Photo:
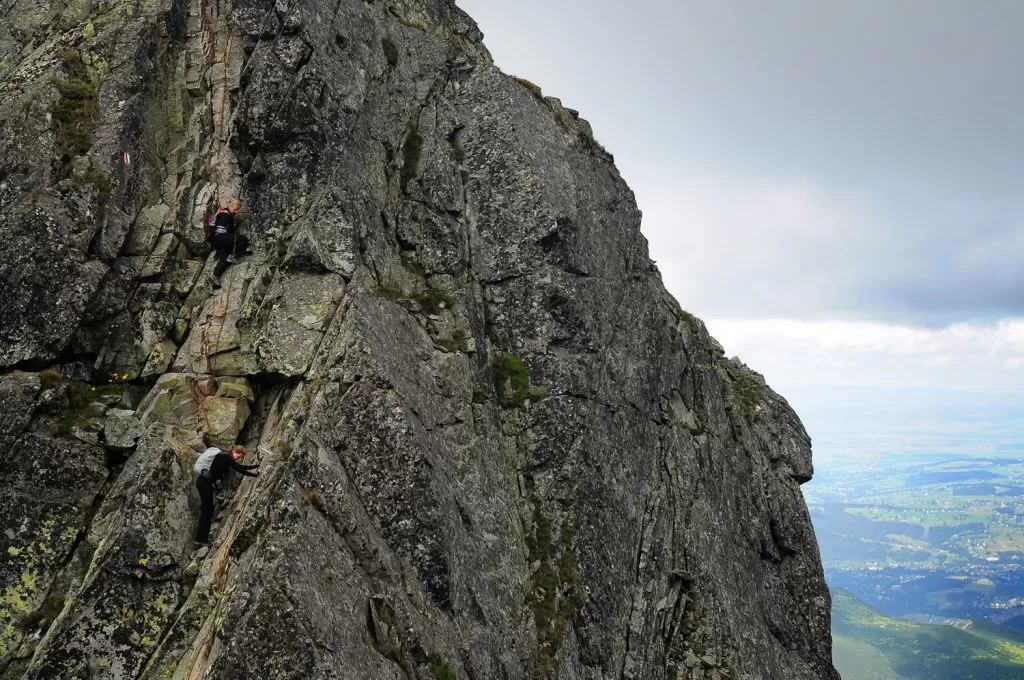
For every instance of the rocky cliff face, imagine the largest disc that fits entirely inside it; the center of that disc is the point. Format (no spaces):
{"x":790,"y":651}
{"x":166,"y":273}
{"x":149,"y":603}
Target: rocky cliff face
{"x":491,"y":444}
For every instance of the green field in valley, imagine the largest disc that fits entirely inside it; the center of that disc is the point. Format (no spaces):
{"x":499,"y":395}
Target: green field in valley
{"x":868,"y":645}
{"x":919,"y":511}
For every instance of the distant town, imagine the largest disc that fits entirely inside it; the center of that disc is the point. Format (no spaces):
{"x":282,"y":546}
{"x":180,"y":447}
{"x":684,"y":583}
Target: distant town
{"x":927,"y":538}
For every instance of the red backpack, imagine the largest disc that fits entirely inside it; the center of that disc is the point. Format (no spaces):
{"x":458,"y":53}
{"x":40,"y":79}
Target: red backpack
{"x":210,"y":228}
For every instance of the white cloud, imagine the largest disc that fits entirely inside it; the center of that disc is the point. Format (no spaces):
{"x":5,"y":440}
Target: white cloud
{"x":796,"y":354}
{"x":762,"y":247}
{"x":865,"y":388}
{"x":740,"y":246}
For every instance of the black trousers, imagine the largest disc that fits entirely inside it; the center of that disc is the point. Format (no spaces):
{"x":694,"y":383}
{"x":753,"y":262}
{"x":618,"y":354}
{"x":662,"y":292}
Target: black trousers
{"x":205,"y":487}
{"x":226,"y":244}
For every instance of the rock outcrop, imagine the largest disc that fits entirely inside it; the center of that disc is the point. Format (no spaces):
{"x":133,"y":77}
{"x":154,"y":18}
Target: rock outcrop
{"x":491,"y":445}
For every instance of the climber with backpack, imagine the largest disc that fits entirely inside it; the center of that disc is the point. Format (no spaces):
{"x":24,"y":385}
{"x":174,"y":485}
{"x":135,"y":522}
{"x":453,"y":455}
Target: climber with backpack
{"x":211,"y":466}
{"x":222,"y":234}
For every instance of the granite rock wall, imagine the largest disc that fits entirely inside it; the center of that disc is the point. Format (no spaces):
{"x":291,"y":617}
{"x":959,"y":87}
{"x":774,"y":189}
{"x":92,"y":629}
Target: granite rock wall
{"x":491,"y":445}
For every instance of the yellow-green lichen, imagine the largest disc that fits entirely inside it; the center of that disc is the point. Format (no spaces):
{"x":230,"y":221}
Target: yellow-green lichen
{"x":74,"y":12}
{"x":151,"y":619}
{"x":420,"y":23}
{"x":18,"y":602}
{"x":186,"y":628}
{"x":24,"y":601}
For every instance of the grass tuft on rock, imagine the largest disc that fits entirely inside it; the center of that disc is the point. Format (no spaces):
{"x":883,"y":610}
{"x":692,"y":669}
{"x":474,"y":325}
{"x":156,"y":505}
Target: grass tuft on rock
{"x":588,"y":142}
{"x":458,"y":342}
{"x":75,"y":112}
{"x":512,"y":382}
{"x":533,"y":87}
{"x":748,"y":387}
{"x":441,"y":669}
{"x":78,"y":396}
{"x":552,"y":587}
{"x":50,"y":378}
{"x":314,"y":498}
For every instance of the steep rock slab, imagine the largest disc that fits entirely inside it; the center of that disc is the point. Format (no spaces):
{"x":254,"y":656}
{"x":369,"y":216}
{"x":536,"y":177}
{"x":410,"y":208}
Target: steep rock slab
{"x":491,"y":444}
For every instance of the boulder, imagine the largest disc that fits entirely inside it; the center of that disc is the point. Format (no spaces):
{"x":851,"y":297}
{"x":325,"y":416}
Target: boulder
{"x":224,"y":418}
{"x":121,"y":430}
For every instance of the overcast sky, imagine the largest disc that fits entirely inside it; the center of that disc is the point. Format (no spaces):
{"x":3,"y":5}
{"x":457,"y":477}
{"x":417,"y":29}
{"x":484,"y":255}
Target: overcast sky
{"x":834,"y":186}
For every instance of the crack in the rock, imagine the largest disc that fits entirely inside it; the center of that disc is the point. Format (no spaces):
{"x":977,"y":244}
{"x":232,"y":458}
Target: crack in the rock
{"x":648,"y":523}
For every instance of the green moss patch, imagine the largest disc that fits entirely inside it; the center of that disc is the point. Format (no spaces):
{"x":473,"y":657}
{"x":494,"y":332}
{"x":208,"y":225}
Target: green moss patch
{"x":440,"y":667}
{"x":79,"y":395}
{"x":512,"y":382}
{"x":749,"y":388}
{"x":75,"y":112}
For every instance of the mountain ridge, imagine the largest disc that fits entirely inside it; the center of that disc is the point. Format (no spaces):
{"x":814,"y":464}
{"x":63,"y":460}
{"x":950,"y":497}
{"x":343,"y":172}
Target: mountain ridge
{"x":491,"y":444}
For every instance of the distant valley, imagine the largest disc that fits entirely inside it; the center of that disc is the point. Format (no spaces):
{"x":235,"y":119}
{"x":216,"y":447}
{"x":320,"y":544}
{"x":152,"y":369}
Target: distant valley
{"x":925,"y":536}
{"x":867,"y":645}
{"x":923,"y":539}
